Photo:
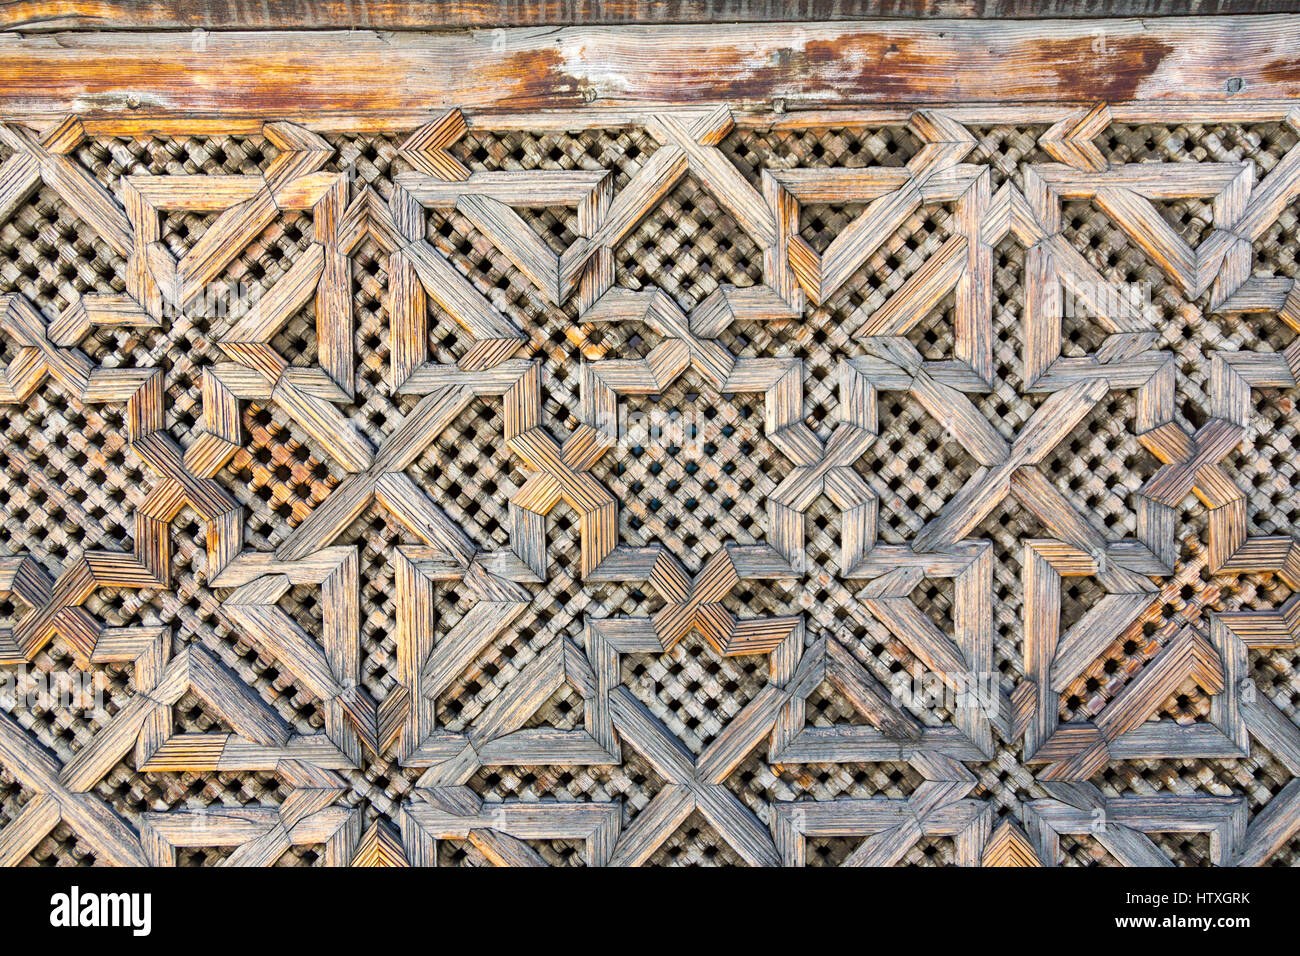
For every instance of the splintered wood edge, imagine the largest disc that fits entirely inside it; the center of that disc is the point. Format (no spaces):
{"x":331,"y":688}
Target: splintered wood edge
{"x":1225,"y":68}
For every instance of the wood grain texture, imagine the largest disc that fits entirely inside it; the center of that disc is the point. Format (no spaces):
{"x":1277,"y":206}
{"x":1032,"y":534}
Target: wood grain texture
{"x":44,"y":15}
{"x":132,"y":76}
{"x":452,"y":601}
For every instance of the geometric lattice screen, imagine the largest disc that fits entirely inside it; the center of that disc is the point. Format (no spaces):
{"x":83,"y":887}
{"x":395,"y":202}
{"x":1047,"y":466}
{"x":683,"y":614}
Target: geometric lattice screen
{"x":686,"y":490}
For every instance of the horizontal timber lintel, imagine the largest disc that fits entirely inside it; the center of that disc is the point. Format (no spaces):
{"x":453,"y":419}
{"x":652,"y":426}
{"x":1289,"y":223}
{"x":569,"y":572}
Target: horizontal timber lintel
{"x":1174,"y":68}
{"x":46,"y":15}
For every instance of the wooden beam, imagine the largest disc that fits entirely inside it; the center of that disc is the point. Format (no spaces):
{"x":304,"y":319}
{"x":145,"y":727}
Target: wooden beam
{"x":1228,"y":65}
{"x":44,"y":15}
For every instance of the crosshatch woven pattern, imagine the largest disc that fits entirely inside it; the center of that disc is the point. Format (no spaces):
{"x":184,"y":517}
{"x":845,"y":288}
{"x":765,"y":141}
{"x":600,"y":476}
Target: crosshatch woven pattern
{"x":471,"y":495}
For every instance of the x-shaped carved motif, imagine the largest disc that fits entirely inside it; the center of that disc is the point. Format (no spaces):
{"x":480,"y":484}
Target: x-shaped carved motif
{"x":1010,"y":469}
{"x":55,"y":605}
{"x":690,"y":343}
{"x":112,"y":838}
{"x":696,"y":604}
{"x":45,"y":159}
{"x":48,"y":349}
{"x":826,"y":467}
{"x":384,"y":479}
{"x":616,"y":715}
{"x":1192,"y":464}
{"x":184,"y":482}
{"x":1006,"y":468}
{"x":560,"y":474}
{"x":694,"y":783}
{"x":63,"y":792}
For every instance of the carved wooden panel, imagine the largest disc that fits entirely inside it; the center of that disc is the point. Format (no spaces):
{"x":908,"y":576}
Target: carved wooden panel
{"x":695,"y":483}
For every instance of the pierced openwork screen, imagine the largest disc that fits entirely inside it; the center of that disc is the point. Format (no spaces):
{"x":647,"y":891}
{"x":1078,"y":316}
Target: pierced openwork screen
{"x":705,"y":487}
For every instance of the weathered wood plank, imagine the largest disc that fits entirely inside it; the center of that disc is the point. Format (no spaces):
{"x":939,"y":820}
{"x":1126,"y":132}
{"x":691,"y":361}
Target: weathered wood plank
{"x":46,"y":15}
{"x":301,"y":76}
